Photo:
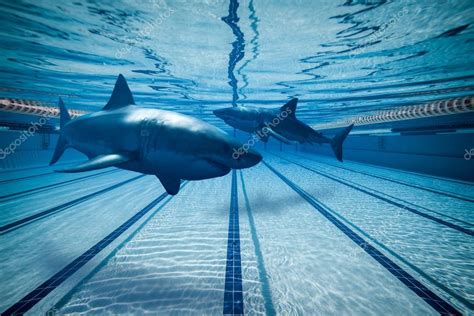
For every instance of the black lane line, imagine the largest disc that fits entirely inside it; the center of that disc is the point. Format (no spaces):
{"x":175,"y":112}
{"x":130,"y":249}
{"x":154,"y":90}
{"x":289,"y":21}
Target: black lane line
{"x":448,"y":194}
{"x":27,"y":220}
{"x":66,"y":297}
{"x":262,"y":272}
{"x":463,"y":182}
{"x":26,"y":177}
{"x":35,"y":167}
{"x":233,"y":297}
{"x":440,"y":305}
{"x":357,"y":184}
{"x":22,"y":169}
{"x":7,"y":197}
{"x":360,"y":187}
{"x":31,"y":299}
{"x":32,"y":176}
{"x":414,"y":173}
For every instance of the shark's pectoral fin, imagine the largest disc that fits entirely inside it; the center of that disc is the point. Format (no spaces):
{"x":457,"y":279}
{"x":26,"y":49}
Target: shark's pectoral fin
{"x":267,"y":130}
{"x":99,"y":162}
{"x":171,"y":183}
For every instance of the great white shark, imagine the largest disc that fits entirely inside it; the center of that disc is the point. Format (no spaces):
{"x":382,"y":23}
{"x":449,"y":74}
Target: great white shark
{"x":167,"y":144}
{"x":280,"y":123}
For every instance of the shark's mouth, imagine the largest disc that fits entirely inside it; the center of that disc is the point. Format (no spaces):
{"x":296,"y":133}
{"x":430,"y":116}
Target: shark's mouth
{"x":229,"y":119}
{"x":217,"y":165}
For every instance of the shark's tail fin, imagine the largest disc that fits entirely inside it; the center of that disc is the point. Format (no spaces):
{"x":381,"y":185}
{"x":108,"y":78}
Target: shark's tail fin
{"x":338,"y":140}
{"x":61,"y":144}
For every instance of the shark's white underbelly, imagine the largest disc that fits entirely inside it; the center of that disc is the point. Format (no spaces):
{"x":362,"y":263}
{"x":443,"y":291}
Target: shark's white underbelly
{"x":187,"y":167}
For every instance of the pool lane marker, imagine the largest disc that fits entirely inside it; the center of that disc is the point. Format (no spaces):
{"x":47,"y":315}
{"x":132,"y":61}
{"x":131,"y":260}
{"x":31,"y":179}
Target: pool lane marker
{"x":407,"y":263}
{"x":31,"y":299}
{"x":360,"y":187}
{"x":436,"y":302}
{"x":107,"y":259}
{"x":26,"y":177}
{"x":31,"y":168}
{"x":262,"y":272}
{"x":456,"y":181}
{"x":22,"y":194}
{"x":448,"y":194}
{"x":59,"y":208}
{"x":233,"y":292}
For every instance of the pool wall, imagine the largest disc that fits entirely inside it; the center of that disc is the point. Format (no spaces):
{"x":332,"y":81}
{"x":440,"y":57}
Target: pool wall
{"x":439,"y":146}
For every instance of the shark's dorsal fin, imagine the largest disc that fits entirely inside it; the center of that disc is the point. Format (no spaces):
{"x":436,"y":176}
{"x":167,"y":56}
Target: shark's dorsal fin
{"x":99,"y":162}
{"x":121,"y":96}
{"x":171,"y":183}
{"x":290,"y":107}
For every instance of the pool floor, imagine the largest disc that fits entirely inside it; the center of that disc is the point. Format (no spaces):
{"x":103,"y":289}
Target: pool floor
{"x":297,"y":234}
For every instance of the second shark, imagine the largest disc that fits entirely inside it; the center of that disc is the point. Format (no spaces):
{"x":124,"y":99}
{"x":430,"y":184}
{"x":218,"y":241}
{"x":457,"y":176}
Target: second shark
{"x":288,"y":128}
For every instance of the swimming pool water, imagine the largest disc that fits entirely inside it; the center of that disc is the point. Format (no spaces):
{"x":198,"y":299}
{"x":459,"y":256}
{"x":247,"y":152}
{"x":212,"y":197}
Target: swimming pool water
{"x":298,"y":234}
{"x":293,"y":259}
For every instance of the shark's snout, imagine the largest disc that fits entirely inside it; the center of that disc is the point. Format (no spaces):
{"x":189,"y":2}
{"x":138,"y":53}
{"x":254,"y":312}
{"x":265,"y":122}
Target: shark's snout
{"x":222,"y":113}
{"x":252,"y":158}
{"x":246,"y":159}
